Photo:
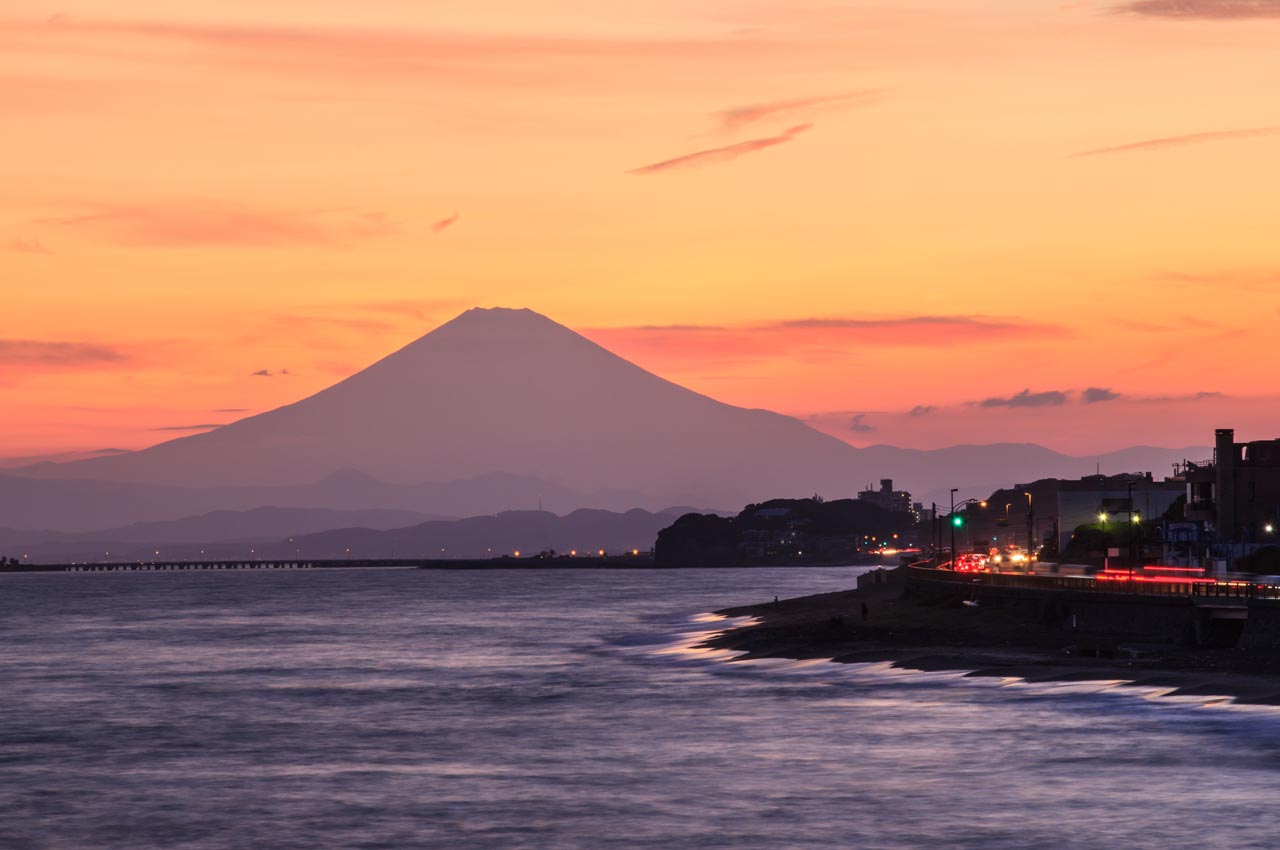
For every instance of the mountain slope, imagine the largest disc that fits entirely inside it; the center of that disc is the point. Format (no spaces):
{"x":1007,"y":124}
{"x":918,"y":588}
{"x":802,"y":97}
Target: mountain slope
{"x":504,"y":391}
{"x":494,"y":411}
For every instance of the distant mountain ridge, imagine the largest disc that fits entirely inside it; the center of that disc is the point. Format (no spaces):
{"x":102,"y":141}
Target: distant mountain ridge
{"x":504,"y":409}
{"x":391,"y":534}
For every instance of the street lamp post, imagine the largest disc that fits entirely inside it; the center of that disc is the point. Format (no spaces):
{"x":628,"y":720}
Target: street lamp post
{"x":1031,"y":525}
{"x":1133,"y":556}
{"x":954,"y":490}
{"x":936,"y":536}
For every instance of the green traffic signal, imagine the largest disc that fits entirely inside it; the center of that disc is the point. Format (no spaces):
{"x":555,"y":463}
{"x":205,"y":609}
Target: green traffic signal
{"x":957,"y":521}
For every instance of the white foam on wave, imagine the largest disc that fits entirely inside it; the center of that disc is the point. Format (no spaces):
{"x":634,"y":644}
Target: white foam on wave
{"x":689,"y":646}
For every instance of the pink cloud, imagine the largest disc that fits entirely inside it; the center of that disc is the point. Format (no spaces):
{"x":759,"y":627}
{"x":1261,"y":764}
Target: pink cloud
{"x":732,"y":120}
{"x":813,"y":340}
{"x":444,"y":224}
{"x":1179,"y":141}
{"x":28,"y":245}
{"x":722,"y":154}
{"x":46,"y":354}
{"x":365,"y":52}
{"x":208,"y":224}
{"x":1219,"y":10}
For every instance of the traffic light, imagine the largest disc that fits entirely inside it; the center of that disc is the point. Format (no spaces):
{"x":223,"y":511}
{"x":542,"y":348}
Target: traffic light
{"x":957,"y":521}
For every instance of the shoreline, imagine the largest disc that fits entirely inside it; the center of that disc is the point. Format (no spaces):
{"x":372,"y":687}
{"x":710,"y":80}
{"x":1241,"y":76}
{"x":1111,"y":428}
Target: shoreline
{"x":934,"y":638}
{"x":608,"y":562}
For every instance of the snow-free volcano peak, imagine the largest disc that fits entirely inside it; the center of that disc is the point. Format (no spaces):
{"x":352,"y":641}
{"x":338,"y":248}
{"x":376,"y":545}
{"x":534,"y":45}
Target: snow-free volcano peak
{"x":506,"y":391}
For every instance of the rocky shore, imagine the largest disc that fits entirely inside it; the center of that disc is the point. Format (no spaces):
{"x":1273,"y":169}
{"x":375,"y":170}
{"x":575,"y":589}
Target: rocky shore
{"x":949,"y":635}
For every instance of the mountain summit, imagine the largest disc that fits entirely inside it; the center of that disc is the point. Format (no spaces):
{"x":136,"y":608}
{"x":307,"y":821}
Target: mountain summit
{"x":506,"y":391}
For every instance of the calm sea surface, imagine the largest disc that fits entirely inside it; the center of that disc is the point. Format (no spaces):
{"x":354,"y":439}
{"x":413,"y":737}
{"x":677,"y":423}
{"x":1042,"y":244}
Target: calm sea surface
{"x":405,"y":709}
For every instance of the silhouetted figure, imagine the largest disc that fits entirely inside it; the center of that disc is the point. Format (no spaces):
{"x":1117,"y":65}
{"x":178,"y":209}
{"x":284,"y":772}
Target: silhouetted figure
{"x":866,"y":612}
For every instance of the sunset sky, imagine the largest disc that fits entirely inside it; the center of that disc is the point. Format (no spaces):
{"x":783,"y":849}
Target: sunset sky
{"x":917,"y":222}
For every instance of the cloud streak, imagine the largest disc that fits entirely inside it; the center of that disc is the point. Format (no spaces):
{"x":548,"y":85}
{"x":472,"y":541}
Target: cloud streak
{"x":859,"y":426}
{"x":405,"y":53}
{"x":206,"y":427}
{"x":1026,"y":398}
{"x":738,"y":117}
{"x":1096,"y":395}
{"x":56,"y":354}
{"x":444,"y":224}
{"x":721,"y":154}
{"x":218,"y":225}
{"x":811,"y":341}
{"x":1180,"y":141}
{"x":29,"y":245}
{"x":1209,"y":10}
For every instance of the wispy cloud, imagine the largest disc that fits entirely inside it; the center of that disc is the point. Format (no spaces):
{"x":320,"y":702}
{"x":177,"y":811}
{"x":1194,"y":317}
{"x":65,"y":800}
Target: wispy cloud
{"x":348,"y":323}
{"x":1026,"y":398}
{"x":1252,"y":280}
{"x":1212,"y":10}
{"x":262,"y":373}
{"x":1095,"y":395}
{"x":444,"y":224}
{"x":738,"y":117}
{"x":810,"y":341}
{"x":721,"y":154}
{"x":921,"y":323}
{"x":231,"y":409}
{"x":408,"y":53}
{"x":922,"y":410}
{"x":1180,"y":141}
{"x":28,"y":245}
{"x":1203,"y":395}
{"x":816,"y":339}
{"x":221,"y":225}
{"x":858,"y":425}
{"x":56,"y":354}
{"x":207,"y":427}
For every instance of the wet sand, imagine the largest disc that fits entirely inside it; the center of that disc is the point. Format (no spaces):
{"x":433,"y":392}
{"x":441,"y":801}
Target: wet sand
{"x":988,"y":643}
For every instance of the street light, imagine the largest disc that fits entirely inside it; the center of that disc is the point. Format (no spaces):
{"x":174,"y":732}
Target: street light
{"x":1031,"y":524}
{"x":954,"y":490}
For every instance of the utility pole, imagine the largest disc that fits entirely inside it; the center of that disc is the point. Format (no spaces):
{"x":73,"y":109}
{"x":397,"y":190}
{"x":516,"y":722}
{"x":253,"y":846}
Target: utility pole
{"x":935,"y":534}
{"x":952,"y":515}
{"x":1133,"y":552}
{"x":1031,"y":525}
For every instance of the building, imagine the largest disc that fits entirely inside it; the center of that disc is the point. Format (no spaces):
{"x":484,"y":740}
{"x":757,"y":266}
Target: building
{"x":1121,"y":498}
{"x":1237,"y":494}
{"x":888,"y":498}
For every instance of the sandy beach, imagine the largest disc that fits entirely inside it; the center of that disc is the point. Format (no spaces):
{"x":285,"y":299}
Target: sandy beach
{"x":985,"y":642}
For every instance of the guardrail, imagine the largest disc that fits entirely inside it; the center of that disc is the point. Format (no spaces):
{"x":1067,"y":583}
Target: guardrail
{"x":1138,"y":585}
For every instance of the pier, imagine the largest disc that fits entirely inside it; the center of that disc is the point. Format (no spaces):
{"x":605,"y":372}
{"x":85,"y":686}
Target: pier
{"x":235,"y":564}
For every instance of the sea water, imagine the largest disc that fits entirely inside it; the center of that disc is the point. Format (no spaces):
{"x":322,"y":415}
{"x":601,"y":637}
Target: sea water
{"x":563,"y":709}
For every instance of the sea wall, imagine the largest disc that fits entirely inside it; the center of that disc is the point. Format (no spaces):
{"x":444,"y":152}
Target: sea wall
{"x":1088,"y":613}
{"x":1262,"y":629}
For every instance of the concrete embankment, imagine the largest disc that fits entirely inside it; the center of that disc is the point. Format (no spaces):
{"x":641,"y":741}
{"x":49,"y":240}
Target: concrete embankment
{"x":916,"y":620}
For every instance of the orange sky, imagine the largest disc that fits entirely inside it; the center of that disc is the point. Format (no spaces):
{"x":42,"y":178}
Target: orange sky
{"x":920,"y":222}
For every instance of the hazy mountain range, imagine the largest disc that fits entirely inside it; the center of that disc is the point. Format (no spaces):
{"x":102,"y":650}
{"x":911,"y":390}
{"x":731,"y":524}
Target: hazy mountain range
{"x":280,"y":533}
{"x":504,"y":409}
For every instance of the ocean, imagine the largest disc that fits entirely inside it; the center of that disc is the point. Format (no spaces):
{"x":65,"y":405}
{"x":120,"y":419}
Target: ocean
{"x":563,"y":709}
